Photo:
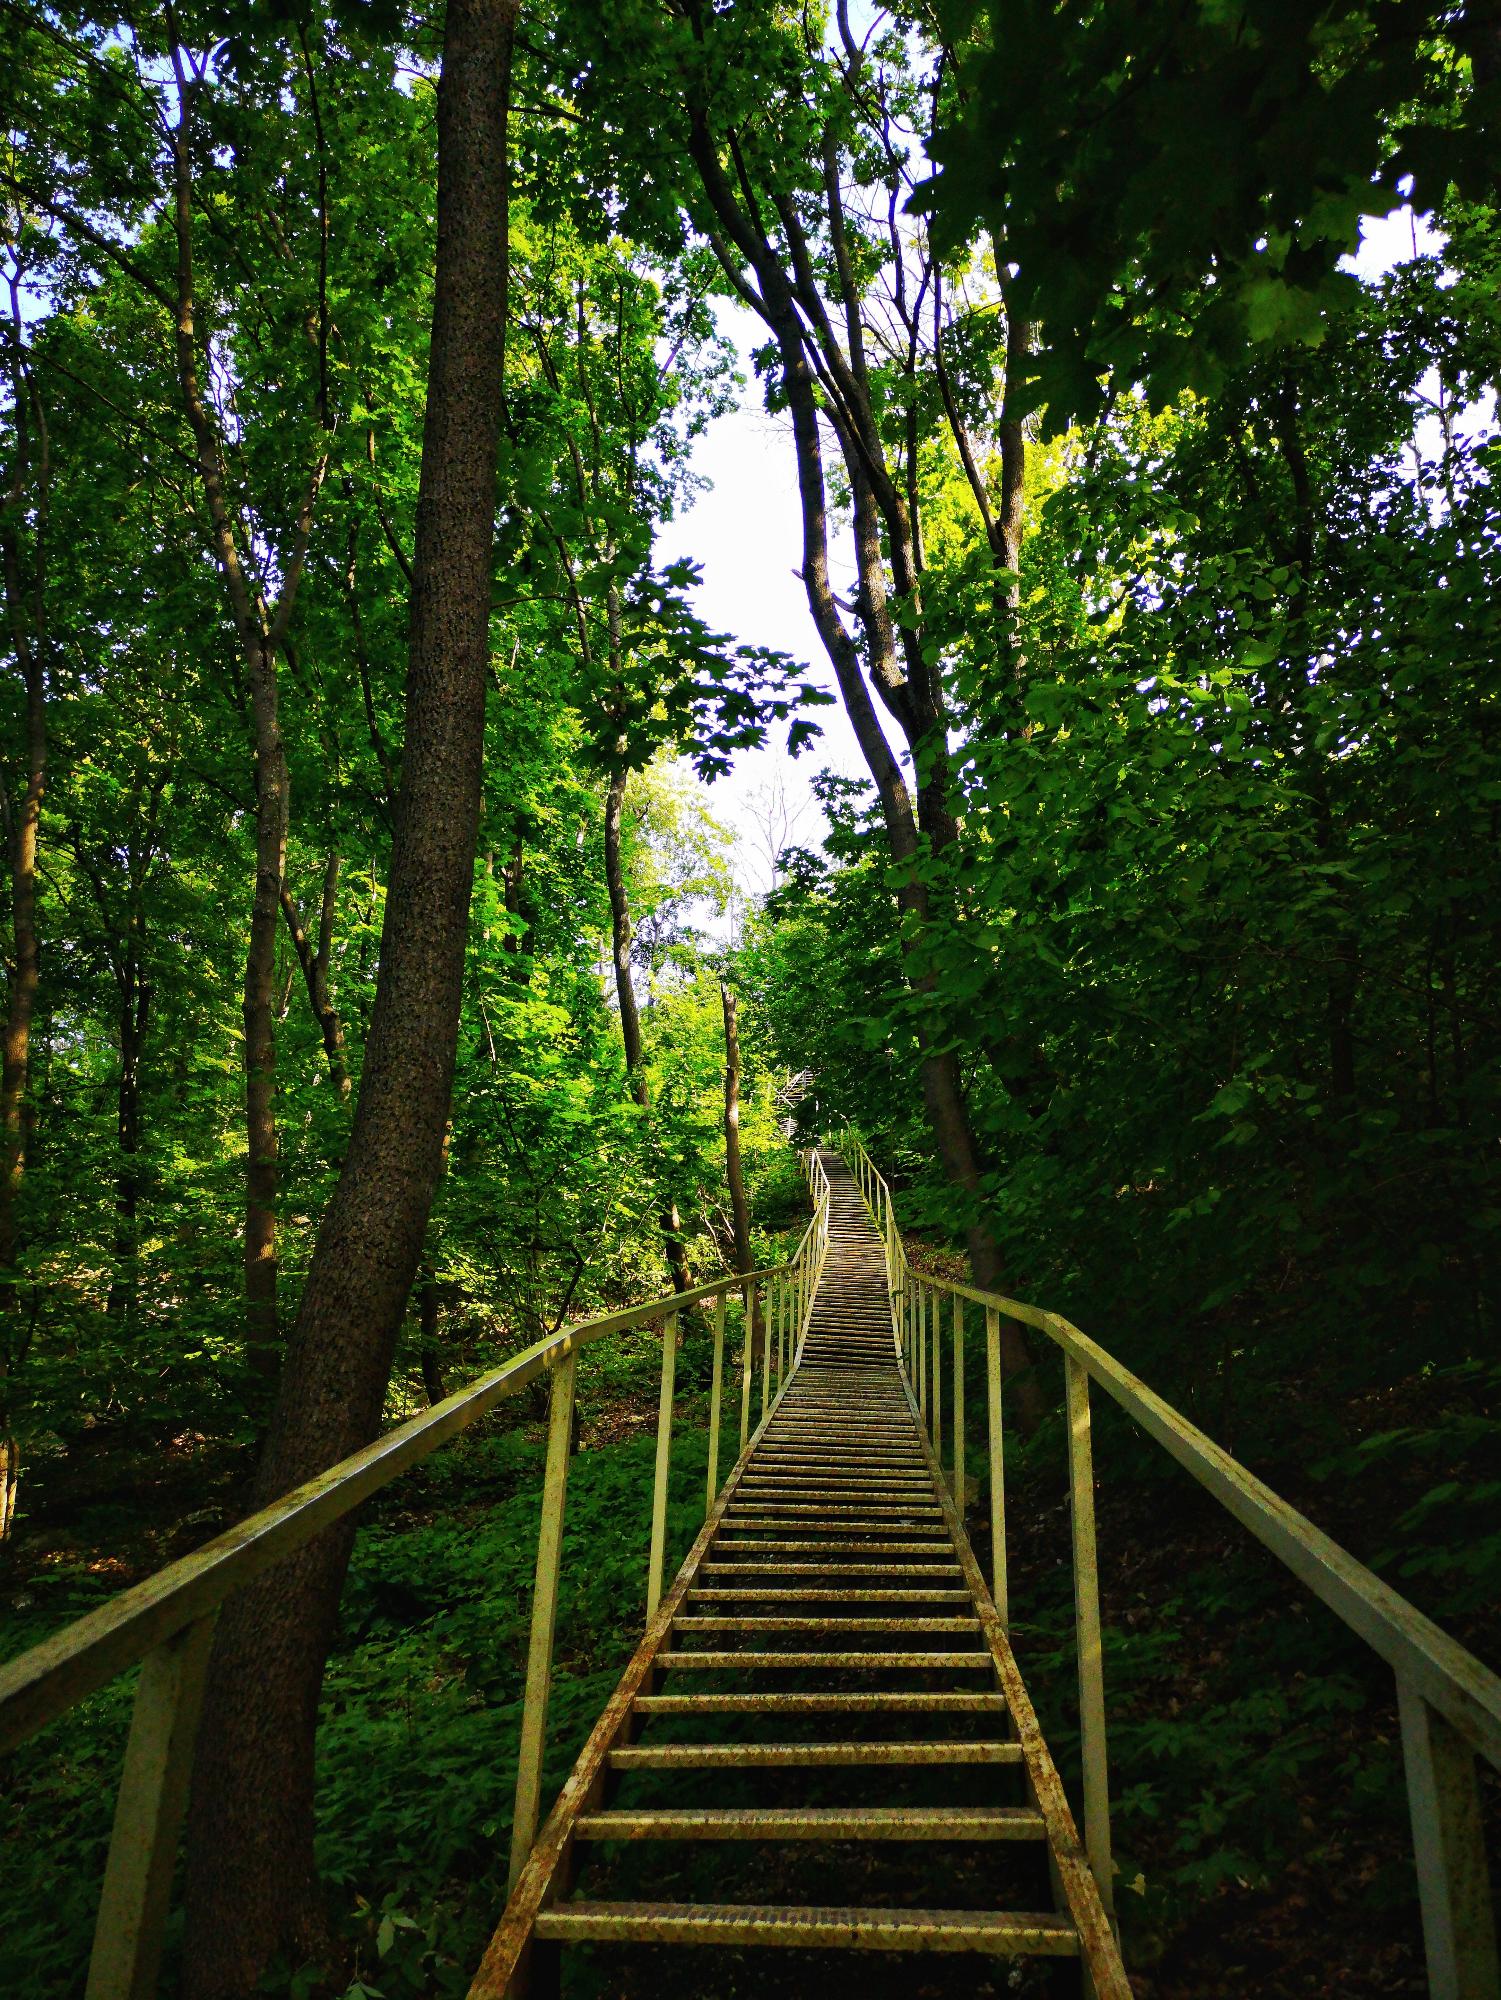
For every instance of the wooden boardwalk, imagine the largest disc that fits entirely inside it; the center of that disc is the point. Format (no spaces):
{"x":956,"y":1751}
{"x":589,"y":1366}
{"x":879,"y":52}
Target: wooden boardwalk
{"x":829,"y":1651}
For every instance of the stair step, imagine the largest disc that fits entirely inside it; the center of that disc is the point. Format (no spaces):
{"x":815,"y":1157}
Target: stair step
{"x":760,"y":1659}
{"x":784,"y":1756}
{"x":753,"y":1568}
{"x":940,"y":1545}
{"x":783,"y":1520}
{"x":830,"y":1594}
{"x":958,"y":1823}
{"x":999,"y":1933}
{"x":749,"y":1622}
{"x":795,"y":1510}
{"x":859,"y":1703}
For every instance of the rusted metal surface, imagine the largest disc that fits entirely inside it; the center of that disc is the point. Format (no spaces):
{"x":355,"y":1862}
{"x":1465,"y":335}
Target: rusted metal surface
{"x":750,"y":1623}
{"x":826,"y":1595}
{"x":749,"y":1660}
{"x":1000,"y":1934}
{"x":956,"y":1823}
{"x":854,"y":1700}
{"x":792,"y":1756}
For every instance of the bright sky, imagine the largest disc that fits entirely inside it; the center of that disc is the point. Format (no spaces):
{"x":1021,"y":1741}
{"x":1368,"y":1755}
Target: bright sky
{"x":745,"y":533}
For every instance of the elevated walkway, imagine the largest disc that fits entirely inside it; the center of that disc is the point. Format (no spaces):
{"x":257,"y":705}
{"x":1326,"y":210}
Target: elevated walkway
{"x":829,"y":1650}
{"x":822,"y":1743}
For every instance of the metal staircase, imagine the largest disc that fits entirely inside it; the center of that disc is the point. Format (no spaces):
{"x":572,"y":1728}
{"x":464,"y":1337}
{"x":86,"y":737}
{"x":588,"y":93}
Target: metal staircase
{"x":822,"y":1742}
{"x":830,"y":1624}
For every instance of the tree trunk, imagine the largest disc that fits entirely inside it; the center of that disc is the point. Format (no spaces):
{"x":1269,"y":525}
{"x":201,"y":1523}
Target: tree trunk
{"x":135,"y":1012}
{"x":25,"y":605}
{"x":259,"y":633}
{"x":315,"y":973}
{"x":910,"y":689}
{"x":252,"y":1890}
{"x":258,"y":1007}
{"x":429,"y":1356}
{"x":669,"y":1220}
{"x":26,"y":947}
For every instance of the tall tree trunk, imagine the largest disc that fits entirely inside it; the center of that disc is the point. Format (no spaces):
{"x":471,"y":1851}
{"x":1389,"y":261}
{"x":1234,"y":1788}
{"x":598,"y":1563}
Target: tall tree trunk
{"x":834,"y":385}
{"x":314,"y":962}
{"x":252,"y":1890}
{"x":25,"y":981}
{"x":25,"y":606}
{"x":259,"y":632}
{"x":135,"y":1013}
{"x":258,"y":1009}
{"x":669,"y":1220}
{"x":26,"y":968}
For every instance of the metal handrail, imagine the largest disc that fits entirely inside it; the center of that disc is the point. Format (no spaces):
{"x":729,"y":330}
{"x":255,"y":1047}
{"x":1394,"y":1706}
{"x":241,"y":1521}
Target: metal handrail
{"x":1449,"y":1701}
{"x":166,"y":1623}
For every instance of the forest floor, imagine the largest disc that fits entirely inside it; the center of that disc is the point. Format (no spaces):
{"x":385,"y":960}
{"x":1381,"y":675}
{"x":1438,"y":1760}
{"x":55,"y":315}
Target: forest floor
{"x":1260,"y":1816}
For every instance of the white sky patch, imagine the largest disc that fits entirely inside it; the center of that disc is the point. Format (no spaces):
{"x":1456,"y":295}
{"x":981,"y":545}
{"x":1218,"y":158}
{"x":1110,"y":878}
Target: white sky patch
{"x":746,"y":534}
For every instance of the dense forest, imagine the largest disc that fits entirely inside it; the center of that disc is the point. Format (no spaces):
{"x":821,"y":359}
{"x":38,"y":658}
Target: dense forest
{"x":378,"y":956}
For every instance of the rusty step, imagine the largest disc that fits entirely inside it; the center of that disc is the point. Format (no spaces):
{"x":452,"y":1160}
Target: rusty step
{"x":957,"y":1823}
{"x":855,"y":1701}
{"x":999,"y":1933}
{"x":783,"y":1756}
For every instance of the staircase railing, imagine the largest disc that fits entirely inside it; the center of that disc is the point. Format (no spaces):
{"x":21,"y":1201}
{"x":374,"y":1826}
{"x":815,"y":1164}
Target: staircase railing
{"x":166,"y":1623}
{"x":1449,"y":1701}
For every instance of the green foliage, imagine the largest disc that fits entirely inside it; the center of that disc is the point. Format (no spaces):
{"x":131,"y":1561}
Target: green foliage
{"x":422,"y":1706}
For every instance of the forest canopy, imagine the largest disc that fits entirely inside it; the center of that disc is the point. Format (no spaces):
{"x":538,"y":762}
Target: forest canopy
{"x":372,"y":925}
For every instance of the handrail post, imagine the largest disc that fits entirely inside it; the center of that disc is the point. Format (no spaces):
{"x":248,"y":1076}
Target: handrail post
{"x":533,"y":1743}
{"x":999,"y":1588}
{"x":935,"y":1394}
{"x":768,"y":1316}
{"x":920,"y":1338}
{"x":784,"y":1319}
{"x":959,"y":1404}
{"x":664,"y":1466}
{"x":149,"y":1811}
{"x":716,"y":1393}
{"x":747,"y":1362}
{"x":1448,"y":1835}
{"x":1087,"y":1632}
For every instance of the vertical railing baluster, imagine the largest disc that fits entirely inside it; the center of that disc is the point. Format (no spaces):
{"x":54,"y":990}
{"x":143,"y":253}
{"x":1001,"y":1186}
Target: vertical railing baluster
{"x":149,"y":1808}
{"x":935,"y":1393}
{"x":999,"y":1588}
{"x":1448,"y":1834}
{"x":747,"y":1363}
{"x":716,"y":1392}
{"x":664,"y":1466}
{"x":533,"y":1743}
{"x":920,"y":1337}
{"x":768,"y":1315}
{"x":959,"y":1404}
{"x":1087,"y":1630}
